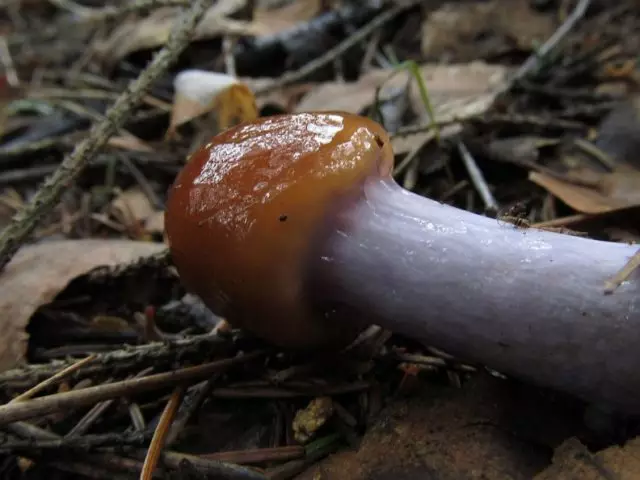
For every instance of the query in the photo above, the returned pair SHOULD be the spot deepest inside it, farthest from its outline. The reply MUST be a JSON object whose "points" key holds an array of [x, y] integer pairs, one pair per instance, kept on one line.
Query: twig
{"points": [[54, 187], [625, 272], [86, 470], [30, 431], [8, 153], [156, 352], [86, 463], [562, 221], [7, 63], [161, 432], [228, 43], [477, 178], [191, 402], [550, 44], [212, 468], [81, 443], [86, 422], [413, 154], [62, 401], [272, 392], [53, 380], [331, 54], [258, 455]]}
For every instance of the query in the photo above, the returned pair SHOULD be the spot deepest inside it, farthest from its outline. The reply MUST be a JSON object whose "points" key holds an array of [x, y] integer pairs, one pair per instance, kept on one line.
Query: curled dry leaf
{"points": [[198, 92], [132, 208], [38, 273]]}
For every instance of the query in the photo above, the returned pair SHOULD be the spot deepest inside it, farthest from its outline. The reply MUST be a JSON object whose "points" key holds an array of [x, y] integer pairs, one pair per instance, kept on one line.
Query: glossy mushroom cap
{"points": [[245, 213]]}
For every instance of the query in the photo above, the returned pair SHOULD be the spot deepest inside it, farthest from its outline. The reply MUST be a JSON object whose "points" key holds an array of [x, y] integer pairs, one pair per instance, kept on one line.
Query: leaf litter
{"points": [[40, 272], [560, 140]]}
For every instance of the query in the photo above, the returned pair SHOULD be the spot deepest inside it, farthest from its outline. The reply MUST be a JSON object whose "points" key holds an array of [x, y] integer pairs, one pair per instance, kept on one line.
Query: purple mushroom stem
{"points": [[526, 302]]}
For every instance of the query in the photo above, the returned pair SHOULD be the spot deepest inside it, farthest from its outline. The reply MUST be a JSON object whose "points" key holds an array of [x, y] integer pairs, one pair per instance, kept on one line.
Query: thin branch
{"points": [[333, 53], [477, 178], [148, 353], [13, 412], [53, 380], [623, 275], [54, 187], [579, 11]]}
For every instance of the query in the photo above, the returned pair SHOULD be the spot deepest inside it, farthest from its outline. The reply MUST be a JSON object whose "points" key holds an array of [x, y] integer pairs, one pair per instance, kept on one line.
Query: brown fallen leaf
{"points": [[619, 132], [132, 208], [464, 29], [153, 30], [281, 100], [271, 21], [610, 191], [454, 90], [592, 190], [38, 273]]}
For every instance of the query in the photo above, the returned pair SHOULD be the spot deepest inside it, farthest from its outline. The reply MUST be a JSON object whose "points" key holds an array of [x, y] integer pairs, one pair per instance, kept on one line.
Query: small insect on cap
{"points": [[244, 214]]}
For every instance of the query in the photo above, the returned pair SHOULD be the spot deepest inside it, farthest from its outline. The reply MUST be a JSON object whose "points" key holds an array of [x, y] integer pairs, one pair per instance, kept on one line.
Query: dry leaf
{"points": [[153, 30], [591, 190], [284, 99], [132, 208], [454, 90], [275, 20], [234, 105], [38, 273], [198, 92], [613, 191], [464, 29], [619, 133]]}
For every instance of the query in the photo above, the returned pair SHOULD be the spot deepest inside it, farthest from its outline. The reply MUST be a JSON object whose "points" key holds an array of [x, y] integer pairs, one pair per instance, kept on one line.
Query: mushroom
{"points": [[292, 228]]}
